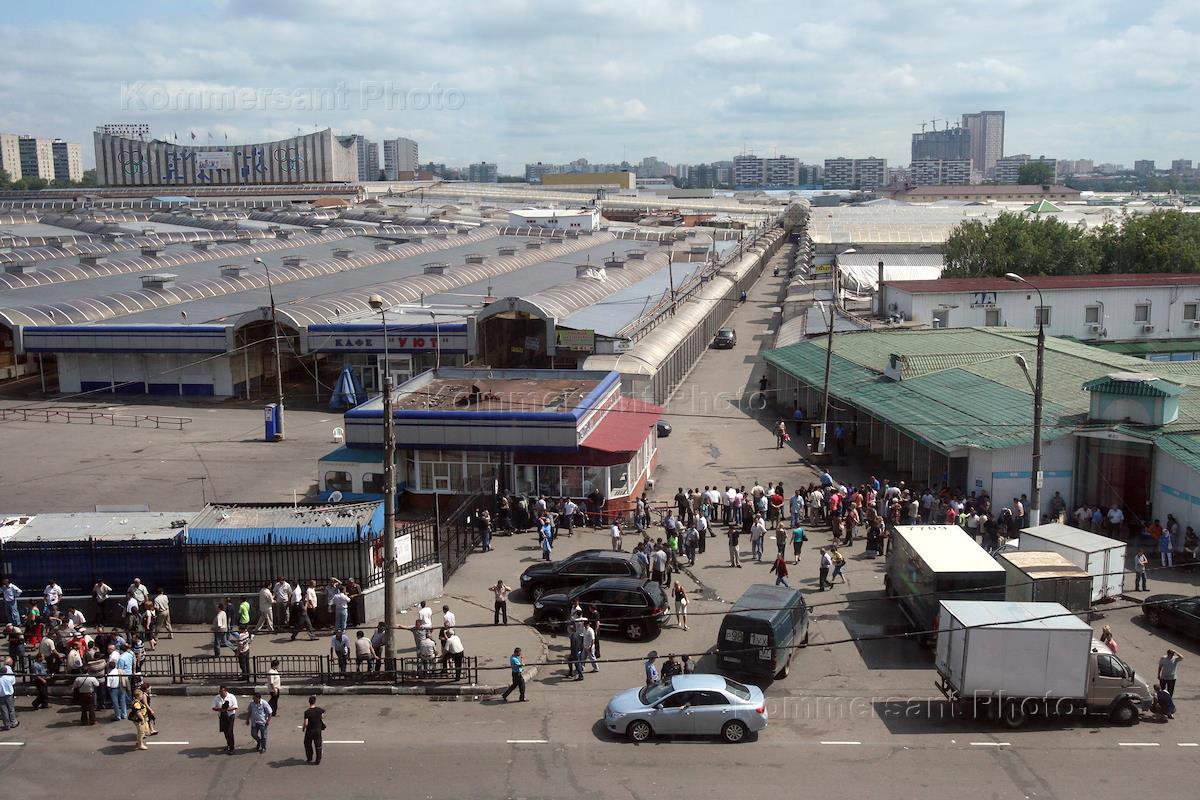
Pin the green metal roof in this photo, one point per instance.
(963, 387)
(1146, 348)
(1183, 446)
(1044, 207)
(1134, 384)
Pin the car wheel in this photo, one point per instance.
(1124, 714)
(639, 731)
(1154, 617)
(783, 673)
(804, 641)
(635, 631)
(1014, 716)
(734, 731)
(538, 592)
(887, 588)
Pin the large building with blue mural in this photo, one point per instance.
(318, 157)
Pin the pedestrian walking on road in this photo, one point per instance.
(84, 688)
(303, 609)
(734, 558)
(826, 565)
(798, 539)
(615, 533)
(1168, 670)
(518, 678)
(220, 629)
(139, 715)
(266, 609)
(781, 434)
(8, 696)
(241, 646)
(500, 606)
(780, 569)
(258, 717)
(314, 728)
(681, 604)
(651, 670)
(1139, 571)
(839, 563)
(225, 706)
(274, 686)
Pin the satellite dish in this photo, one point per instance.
(335, 497)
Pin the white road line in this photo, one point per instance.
(12, 744)
(1189, 744)
(158, 742)
(526, 741)
(344, 741)
(991, 744)
(1138, 744)
(841, 742)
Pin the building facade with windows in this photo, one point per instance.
(561, 433)
(951, 144)
(986, 129)
(37, 157)
(399, 155)
(483, 172)
(10, 155)
(1008, 169)
(936, 172)
(1098, 309)
(68, 160)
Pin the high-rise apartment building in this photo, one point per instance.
(534, 172)
(483, 172)
(1144, 166)
(986, 130)
(839, 173)
(940, 172)
(781, 171)
(1079, 166)
(10, 155)
(810, 174)
(364, 150)
(951, 144)
(68, 160)
(1008, 169)
(399, 155)
(1181, 165)
(748, 171)
(372, 161)
(126, 130)
(37, 158)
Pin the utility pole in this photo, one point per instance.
(825, 392)
(1035, 482)
(389, 496)
(275, 345)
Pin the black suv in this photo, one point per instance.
(725, 339)
(633, 607)
(578, 569)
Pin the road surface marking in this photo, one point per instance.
(1138, 744)
(990, 744)
(344, 741)
(841, 742)
(12, 744)
(527, 741)
(158, 742)
(1189, 744)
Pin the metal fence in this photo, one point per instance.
(93, 418)
(314, 669)
(458, 534)
(76, 566)
(243, 569)
(422, 539)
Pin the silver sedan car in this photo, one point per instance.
(688, 705)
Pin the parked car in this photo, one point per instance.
(688, 705)
(663, 427)
(1175, 611)
(578, 569)
(725, 339)
(632, 607)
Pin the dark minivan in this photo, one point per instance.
(761, 632)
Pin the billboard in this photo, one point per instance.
(214, 159)
(576, 341)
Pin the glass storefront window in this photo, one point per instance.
(572, 482)
(548, 481)
(338, 481)
(595, 479)
(525, 479)
(373, 483)
(619, 478)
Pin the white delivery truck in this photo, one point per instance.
(1010, 661)
(1101, 557)
(1043, 577)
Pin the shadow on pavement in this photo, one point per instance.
(287, 762)
(927, 715)
(866, 615)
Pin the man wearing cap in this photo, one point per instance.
(651, 670)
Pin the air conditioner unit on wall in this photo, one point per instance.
(1147, 329)
(1094, 327)
(1196, 323)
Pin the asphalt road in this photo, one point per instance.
(554, 747)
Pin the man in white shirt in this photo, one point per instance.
(454, 651)
(220, 629)
(162, 612)
(727, 505)
(225, 706)
(701, 533)
(569, 510)
(341, 609)
(589, 647)
(757, 531)
(426, 615)
(266, 609)
(52, 594)
(283, 598)
(615, 533)
(1115, 519)
(75, 619)
(448, 620)
(138, 591)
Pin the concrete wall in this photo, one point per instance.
(411, 588)
(1006, 473)
(142, 373)
(1176, 491)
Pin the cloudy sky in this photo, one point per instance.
(512, 81)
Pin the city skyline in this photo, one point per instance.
(469, 84)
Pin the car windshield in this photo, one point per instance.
(725, 332)
(652, 695)
(737, 689)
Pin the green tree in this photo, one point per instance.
(1162, 241)
(1019, 243)
(5, 179)
(1035, 172)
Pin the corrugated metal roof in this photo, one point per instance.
(332, 535)
(1135, 384)
(221, 523)
(1184, 447)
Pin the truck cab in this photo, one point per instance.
(1112, 683)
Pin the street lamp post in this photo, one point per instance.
(389, 494)
(1035, 490)
(825, 392)
(275, 346)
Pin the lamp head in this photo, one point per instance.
(1014, 277)
(257, 260)
(1021, 362)
(376, 302)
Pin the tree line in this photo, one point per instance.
(1161, 241)
(31, 184)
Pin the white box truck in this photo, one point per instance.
(1101, 557)
(1010, 661)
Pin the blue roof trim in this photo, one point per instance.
(367, 327)
(493, 447)
(198, 537)
(465, 416)
(102, 349)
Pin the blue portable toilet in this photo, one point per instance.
(271, 422)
